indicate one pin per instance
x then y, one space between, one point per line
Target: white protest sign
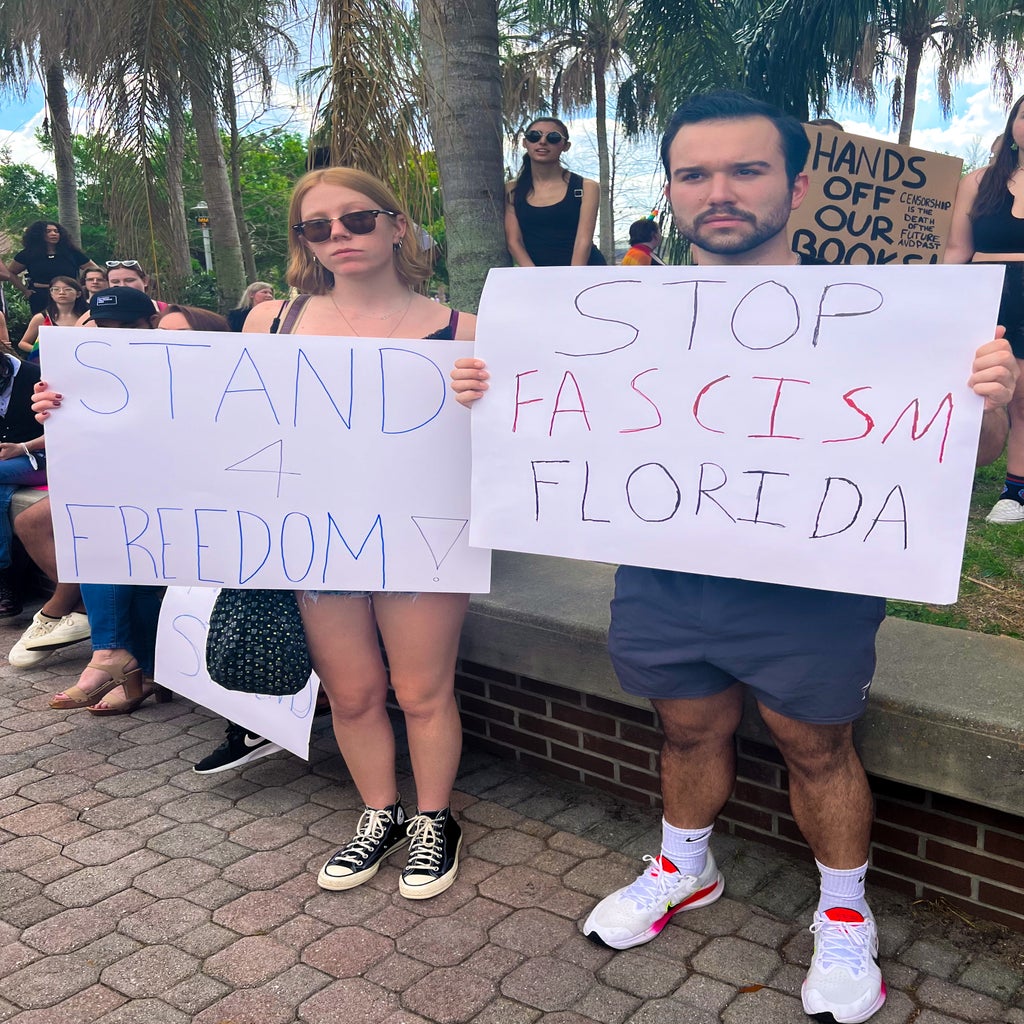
245 460
809 426
181 666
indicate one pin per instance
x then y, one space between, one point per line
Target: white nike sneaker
844 979
638 912
1006 510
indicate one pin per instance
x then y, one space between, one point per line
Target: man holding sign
691 643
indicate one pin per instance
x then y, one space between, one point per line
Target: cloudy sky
977 118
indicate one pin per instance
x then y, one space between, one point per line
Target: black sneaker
378 834
239 748
434 842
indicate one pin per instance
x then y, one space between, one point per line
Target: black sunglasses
362 222
552 138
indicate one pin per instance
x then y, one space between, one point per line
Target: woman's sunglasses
552 138
114 264
362 222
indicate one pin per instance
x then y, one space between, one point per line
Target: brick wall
924 845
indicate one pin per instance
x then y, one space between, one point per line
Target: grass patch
992 579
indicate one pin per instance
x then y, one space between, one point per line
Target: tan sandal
136 692
76 697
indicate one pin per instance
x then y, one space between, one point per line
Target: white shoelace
425 843
654 885
373 823
843 944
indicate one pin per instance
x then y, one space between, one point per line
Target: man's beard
731 244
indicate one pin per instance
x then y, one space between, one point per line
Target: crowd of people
690 644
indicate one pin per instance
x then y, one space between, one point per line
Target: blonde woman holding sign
354 256
988 227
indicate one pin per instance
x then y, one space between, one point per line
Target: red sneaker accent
844 914
698 895
667 866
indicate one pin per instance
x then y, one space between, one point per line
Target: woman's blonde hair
256 286
306 274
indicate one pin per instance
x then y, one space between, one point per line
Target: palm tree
581 43
464 103
52 35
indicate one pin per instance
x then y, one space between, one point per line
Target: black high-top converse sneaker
434 842
379 833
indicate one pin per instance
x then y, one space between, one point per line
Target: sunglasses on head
361 222
552 138
114 264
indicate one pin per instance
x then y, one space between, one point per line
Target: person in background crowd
357 262
5 337
550 213
22 460
122 619
257 292
46 252
692 643
64 309
988 227
94 280
127 274
644 238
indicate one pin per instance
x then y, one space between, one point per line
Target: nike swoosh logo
697 839
253 743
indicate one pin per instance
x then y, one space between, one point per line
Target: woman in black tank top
550 213
352 253
988 227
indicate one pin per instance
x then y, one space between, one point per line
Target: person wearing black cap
122 618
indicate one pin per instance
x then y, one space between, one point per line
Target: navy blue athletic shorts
806 654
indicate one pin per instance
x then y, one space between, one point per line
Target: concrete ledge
946 713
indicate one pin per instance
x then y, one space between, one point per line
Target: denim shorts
805 654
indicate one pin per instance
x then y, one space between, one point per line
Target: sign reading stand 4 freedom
256 460
873 202
800 425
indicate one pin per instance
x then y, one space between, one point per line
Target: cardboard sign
248 460
873 202
801 425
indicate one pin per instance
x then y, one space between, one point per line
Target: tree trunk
914 53
227 250
177 227
606 221
460 61
235 172
63 157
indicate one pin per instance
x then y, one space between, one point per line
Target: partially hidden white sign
805 425
181 665
240 460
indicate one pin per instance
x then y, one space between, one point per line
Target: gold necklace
388 317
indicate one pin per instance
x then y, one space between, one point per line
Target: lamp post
202 218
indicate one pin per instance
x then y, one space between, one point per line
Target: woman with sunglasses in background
46 252
127 274
550 213
64 309
355 255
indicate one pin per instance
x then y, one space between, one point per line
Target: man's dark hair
728 105
642 231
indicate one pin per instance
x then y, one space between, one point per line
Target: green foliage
18 314
26 194
201 290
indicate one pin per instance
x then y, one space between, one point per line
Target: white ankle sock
687 848
843 889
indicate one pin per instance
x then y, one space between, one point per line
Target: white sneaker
53 633
1006 510
21 657
638 912
844 979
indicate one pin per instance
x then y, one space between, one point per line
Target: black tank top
549 232
446 333
999 231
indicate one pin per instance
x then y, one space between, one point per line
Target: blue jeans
123 617
15 473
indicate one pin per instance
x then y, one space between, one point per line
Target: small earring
1014 147
315 260
397 246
